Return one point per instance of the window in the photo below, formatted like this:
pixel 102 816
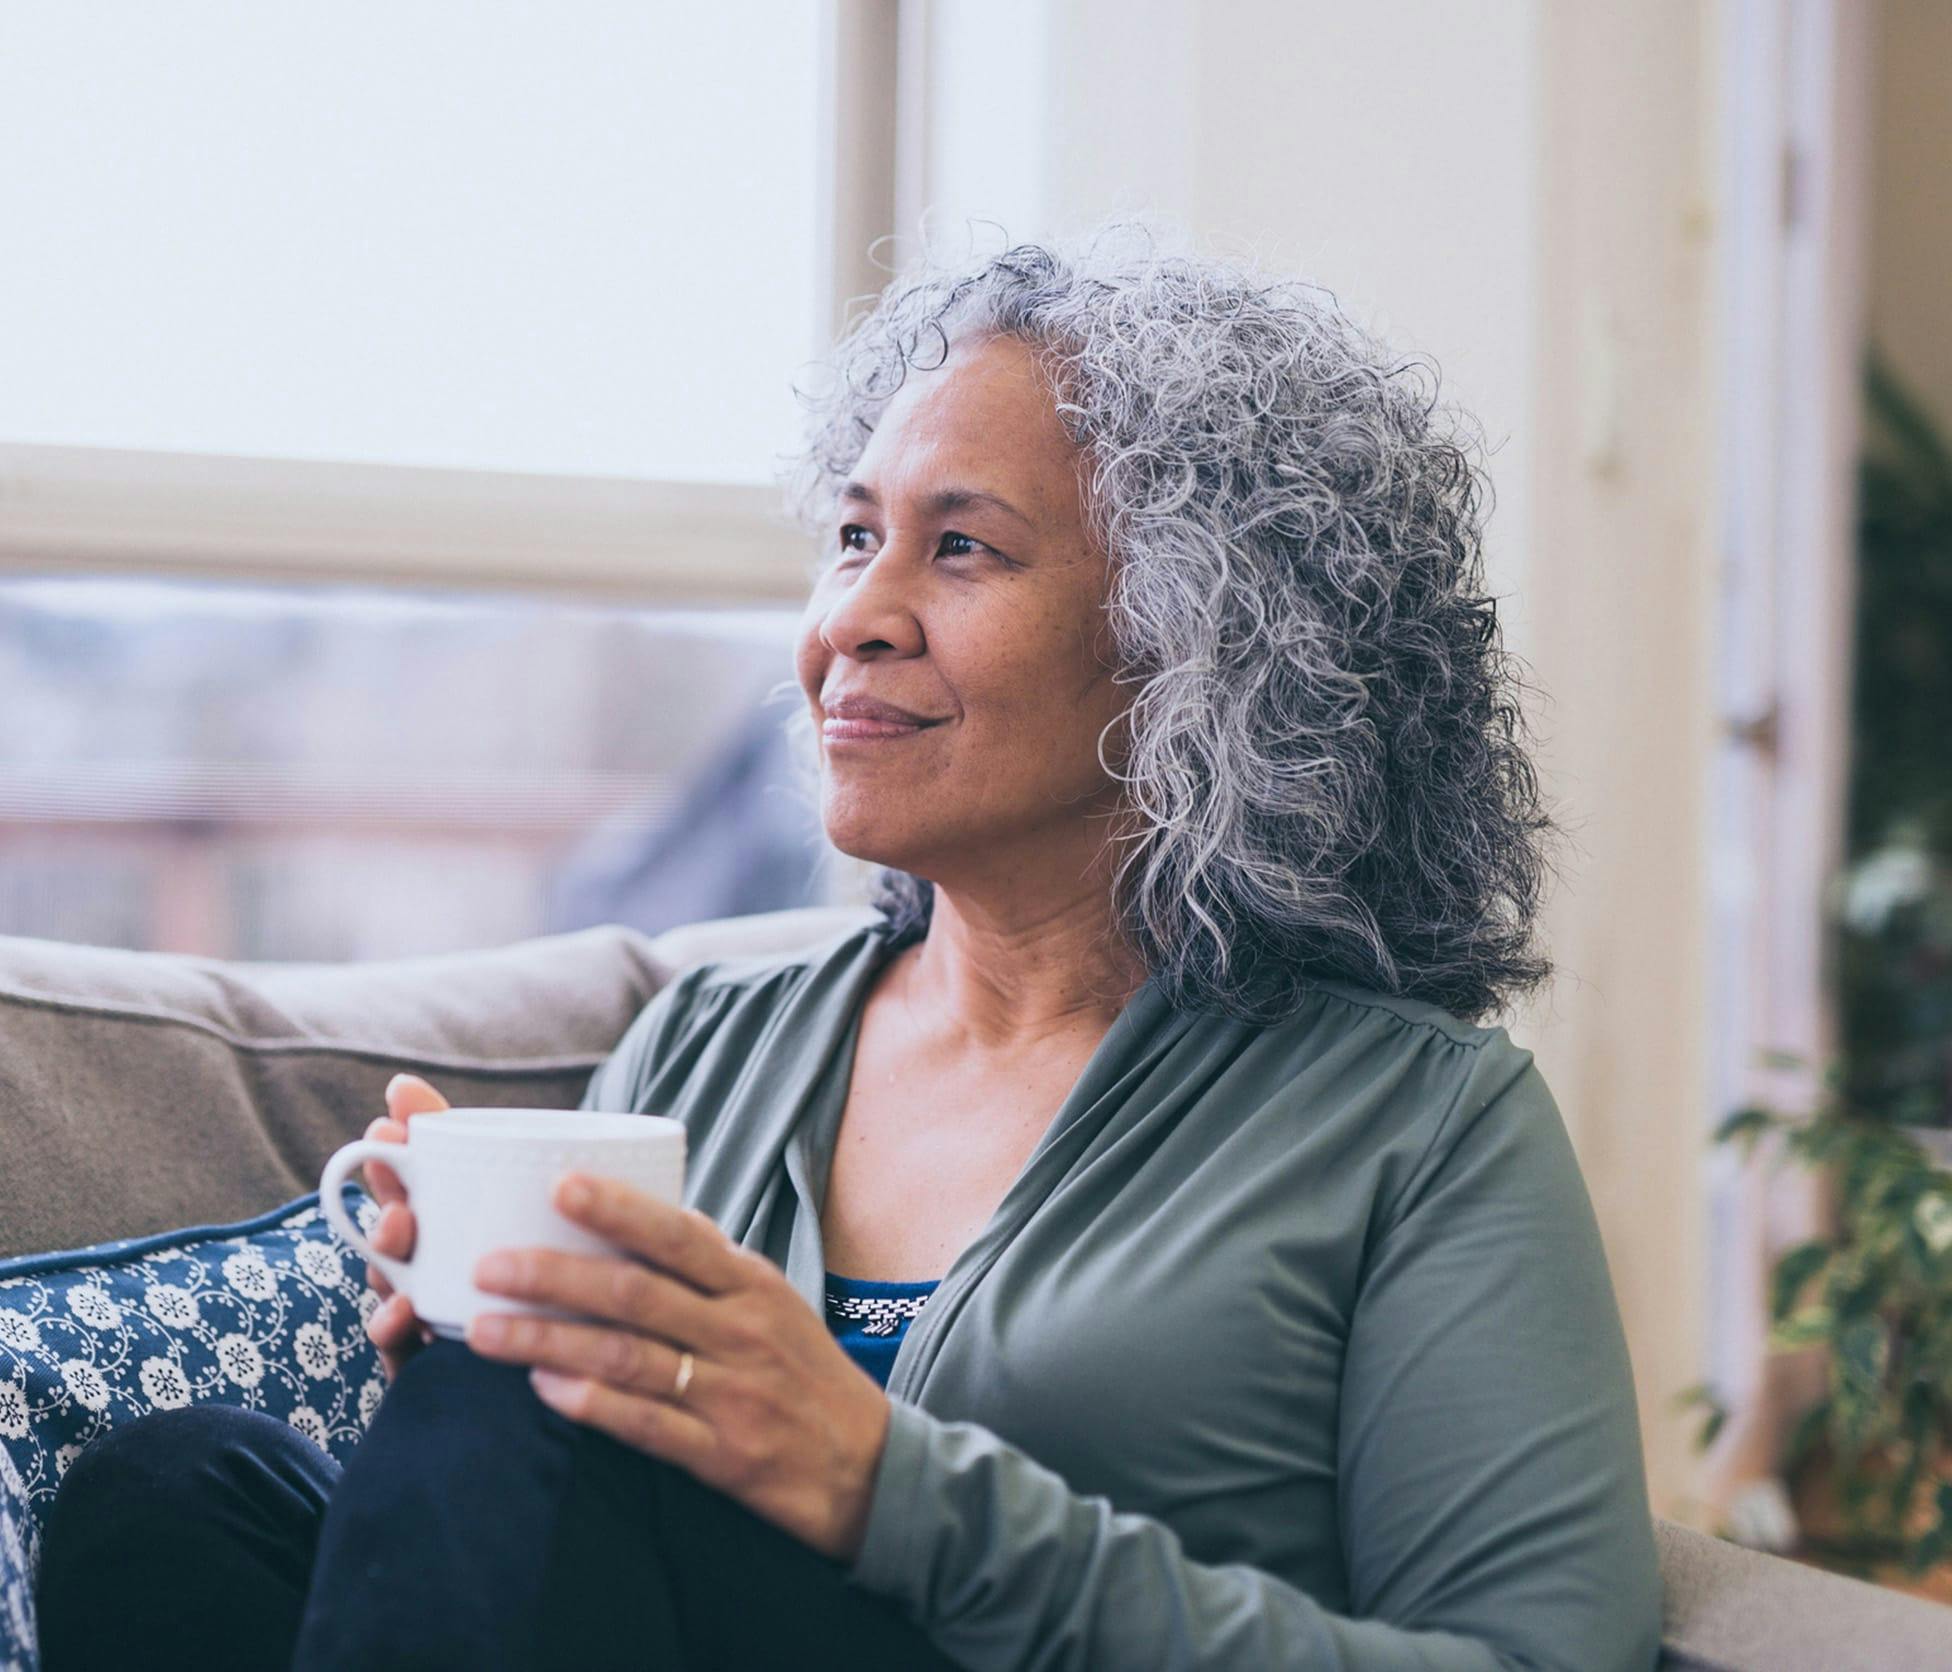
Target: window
pixel 569 240
pixel 391 413
pixel 339 773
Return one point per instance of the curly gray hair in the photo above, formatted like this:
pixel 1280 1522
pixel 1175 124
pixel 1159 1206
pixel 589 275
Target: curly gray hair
pixel 1325 774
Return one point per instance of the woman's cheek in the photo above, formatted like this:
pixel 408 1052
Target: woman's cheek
pixel 810 658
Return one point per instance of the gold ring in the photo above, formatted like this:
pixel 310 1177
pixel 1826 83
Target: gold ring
pixel 686 1364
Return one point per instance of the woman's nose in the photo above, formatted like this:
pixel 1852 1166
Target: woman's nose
pixel 873 612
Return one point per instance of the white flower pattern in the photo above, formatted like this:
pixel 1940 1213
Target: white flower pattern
pixel 247 1273
pixel 14 1422
pixel 86 1384
pixel 173 1306
pixel 309 1423
pixel 90 1303
pixel 321 1263
pixel 240 1360
pixel 315 1350
pixel 268 1314
pixel 164 1382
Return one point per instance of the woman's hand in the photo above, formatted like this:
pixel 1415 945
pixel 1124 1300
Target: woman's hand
pixel 776 1415
pixel 394 1327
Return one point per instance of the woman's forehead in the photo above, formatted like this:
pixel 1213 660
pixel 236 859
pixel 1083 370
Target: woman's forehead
pixel 983 422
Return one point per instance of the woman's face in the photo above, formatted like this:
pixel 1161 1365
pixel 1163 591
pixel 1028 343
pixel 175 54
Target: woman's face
pixel 959 584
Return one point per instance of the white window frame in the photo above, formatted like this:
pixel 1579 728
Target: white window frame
pixel 1795 174
pixel 109 511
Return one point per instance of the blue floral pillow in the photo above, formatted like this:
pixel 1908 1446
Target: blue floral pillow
pixel 268 1314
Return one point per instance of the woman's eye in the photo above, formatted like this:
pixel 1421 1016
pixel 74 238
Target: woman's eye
pixel 853 538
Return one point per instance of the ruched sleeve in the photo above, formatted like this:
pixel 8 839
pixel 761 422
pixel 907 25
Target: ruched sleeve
pixel 1492 1500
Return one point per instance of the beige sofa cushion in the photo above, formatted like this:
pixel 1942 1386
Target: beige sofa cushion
pixel 142 1091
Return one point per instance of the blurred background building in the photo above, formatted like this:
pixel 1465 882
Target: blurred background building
pixel 392 399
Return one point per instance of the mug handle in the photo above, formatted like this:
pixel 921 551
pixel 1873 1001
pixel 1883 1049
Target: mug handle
pixel 331 1181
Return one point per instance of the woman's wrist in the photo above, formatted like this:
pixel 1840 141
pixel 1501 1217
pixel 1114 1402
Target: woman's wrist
pixel 854 1498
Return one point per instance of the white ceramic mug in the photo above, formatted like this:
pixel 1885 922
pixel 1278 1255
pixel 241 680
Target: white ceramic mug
pixel 482 1179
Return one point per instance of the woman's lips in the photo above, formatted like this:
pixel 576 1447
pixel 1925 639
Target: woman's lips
pixel 869 731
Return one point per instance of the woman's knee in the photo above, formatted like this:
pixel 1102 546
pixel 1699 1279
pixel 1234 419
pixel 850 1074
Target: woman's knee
pixel 459 1435
pixel 165 1467
pixel 449 1393
pixel 164 1450
pixel 453 1428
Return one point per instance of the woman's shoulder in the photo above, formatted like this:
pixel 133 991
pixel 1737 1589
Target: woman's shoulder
pixel 1469 1110
pixel 1404 1018
pixel 1405 1085
pixel 737 991
pixel 1345 1042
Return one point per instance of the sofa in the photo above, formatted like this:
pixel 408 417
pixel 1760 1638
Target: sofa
pixel 168 1115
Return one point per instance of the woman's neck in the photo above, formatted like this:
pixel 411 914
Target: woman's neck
pixel 1011 981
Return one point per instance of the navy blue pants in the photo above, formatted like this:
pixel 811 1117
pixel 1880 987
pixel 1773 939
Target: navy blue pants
pixel 474 1528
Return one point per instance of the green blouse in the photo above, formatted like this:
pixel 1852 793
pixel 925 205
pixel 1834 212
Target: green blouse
pixel 1290 1346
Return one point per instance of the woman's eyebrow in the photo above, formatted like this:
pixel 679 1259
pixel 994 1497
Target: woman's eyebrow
pixel 942 501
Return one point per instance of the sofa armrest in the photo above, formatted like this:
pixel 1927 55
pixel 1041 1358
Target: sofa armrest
pixel 1729 1609
pixel 758 934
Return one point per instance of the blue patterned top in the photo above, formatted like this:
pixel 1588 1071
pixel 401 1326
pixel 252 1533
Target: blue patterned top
pixel 869 1318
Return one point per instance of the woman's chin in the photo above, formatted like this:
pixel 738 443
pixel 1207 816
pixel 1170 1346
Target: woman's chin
pixel 869 852
pixel 871 840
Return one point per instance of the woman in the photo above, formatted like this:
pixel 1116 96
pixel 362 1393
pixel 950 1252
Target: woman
pixel 1247 1303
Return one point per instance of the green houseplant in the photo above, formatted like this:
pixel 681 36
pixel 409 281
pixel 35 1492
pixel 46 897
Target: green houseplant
pixel 1877 1295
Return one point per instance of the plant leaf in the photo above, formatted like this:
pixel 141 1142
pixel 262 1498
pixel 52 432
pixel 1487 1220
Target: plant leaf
pixel 1804 1436
pixel 1857 1365
pixel 1745 1125
pixel 1795 1269
pixel 1806 1328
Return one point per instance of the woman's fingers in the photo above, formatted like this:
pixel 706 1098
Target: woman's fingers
pixel 393 1234
pixel 408 1095
pixel 393 1327
pixel 392 1322
pixel 382 1183
pixel 394 1231
pixel 397 1333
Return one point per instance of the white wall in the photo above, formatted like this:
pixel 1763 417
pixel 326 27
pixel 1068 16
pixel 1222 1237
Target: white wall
pixel 1387 151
